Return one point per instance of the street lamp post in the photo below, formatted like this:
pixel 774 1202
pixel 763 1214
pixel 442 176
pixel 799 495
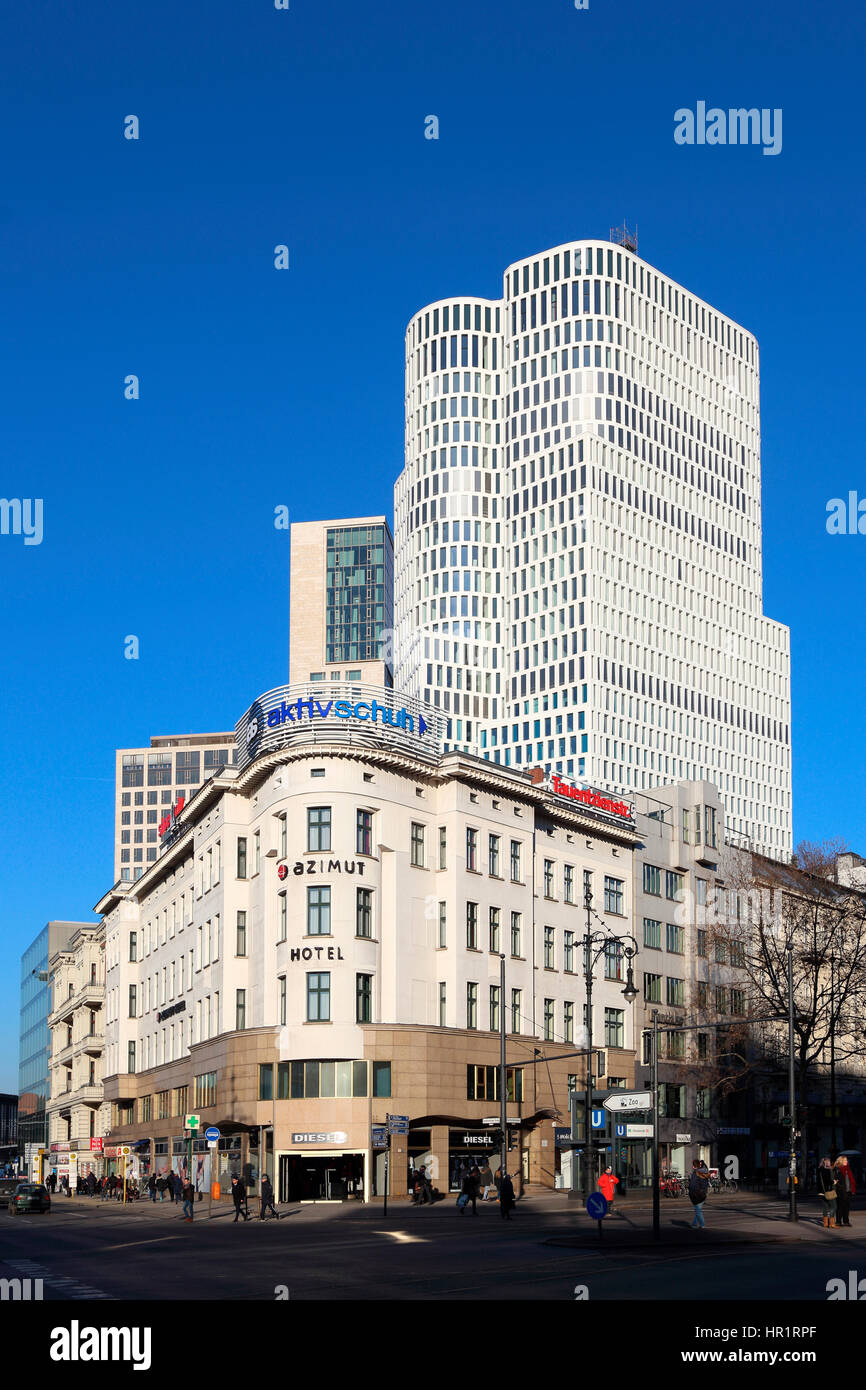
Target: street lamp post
pixel 594 944
pixel 654 1168
pixel 833 1148
pixel 792 1116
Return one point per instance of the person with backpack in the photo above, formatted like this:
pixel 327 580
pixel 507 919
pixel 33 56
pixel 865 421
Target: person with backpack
pixel 699 1181
pixel 267 1199
pixel 506 1197
pixel 188 1201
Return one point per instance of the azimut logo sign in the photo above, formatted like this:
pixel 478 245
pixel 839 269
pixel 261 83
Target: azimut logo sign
pixel 360 713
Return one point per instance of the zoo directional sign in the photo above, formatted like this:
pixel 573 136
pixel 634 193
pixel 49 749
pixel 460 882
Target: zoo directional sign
pixel 628 1101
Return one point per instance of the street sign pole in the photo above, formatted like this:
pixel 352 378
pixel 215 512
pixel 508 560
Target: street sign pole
pixel 655 1154
pixel 387 1164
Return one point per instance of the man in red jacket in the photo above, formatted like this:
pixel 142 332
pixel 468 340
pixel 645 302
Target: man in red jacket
pixel 607 1185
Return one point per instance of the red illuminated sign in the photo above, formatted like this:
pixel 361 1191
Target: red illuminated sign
pixel 171 816
pixel 591 798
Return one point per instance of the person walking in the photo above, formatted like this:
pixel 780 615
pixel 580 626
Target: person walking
pixel 178 1187
pixel 268 1199
pixel 469 1189
pixel 151 1186
pixel 485 1177
pixel 188 1201
pixel 846 1187
pixel 239 1197
pixel 506 1197
pixel 827 1189
pixel 699 1179
pixel 607 1185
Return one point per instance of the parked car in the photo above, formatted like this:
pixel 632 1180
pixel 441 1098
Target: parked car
pixel 30 1196
pixel 7 1190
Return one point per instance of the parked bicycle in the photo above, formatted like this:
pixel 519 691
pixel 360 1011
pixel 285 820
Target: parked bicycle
pixel 670 1184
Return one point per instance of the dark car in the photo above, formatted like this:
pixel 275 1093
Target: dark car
pixel 7 1190
pixel 30 1196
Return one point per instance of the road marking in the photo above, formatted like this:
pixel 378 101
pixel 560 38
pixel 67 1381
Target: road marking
pixel 403 1238
pixel 127 1245
pixel 62 1284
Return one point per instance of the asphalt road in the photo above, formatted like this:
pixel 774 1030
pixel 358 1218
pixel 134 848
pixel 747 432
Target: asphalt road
pixel 87 1251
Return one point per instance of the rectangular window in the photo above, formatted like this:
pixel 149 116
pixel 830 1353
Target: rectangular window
pixel 266 1081
pixel 568 1021
pixel 442 1005
pixel 495 916
pixel 319 911
pixel 614 1027
pixel 686 831
pixel 675 938
pixel 568 952
pixel 364 832
pixel 652 880
pixel 284 837
pixel 364 912
pixel 443 847
pixel 673 1046
pixel 284 917
pixel 515 861
pixel 240 1009
pixel 319 997
pixel 382 1079
pixel 133 945
pixel 613 895
pixel 675 990
pixel 549 1020
pixel 133 1001
pixel 721 994
pixel 516 1009
pixel 493 855
pixel 242 856
pixel 363 998
pixel 738 954
pixel 652 988
pixel 703 994
pixel 674 886
pixel 702 941
pixel 701 888
pixel 515 933
pixel 568 883
pixel 472 926
pixel 548 878
pixel 472 1004
pixel 257 853
pixel 318 827
pixel 612 960
pixel 720 952
pixel 417 856
pixel 494 1008
pixel 710 828
pixel 443 925
pixel 472 850
pixel 549 948
pixel 130 1057
pixel 205 1090
pixel 738 1002
pixel 702 1101
pixel 652 933
pixel 282 984
pixel 482 1083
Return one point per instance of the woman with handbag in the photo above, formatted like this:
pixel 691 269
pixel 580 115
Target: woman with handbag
pixel 827 1189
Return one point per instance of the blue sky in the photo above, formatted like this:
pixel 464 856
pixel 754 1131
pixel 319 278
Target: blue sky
pixel 258 387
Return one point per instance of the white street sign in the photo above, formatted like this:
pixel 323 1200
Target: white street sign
pixel 629 1100
pixel 684 1139
pixel 638 1131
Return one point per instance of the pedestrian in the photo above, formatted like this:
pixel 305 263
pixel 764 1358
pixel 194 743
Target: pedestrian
pixel 607 1185
pixel 426 1185
pixel 170 1188
pixel 151 1186
pixel 827 1189
pixel 268 1198
pixel 188 1201
pixel 239 1197
pixel 485 1177
pixel 846 1187
pixel 469 1190
pixel 91 1183
pixel 506 1197
pixel 178 1187
pixel 698 1184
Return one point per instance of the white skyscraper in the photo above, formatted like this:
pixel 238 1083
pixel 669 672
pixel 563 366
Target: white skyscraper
pixel 578 535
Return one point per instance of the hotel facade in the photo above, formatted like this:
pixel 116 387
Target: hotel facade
pixel 318 945
pixel 578 578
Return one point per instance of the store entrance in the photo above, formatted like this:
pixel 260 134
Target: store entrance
pixel 337 1177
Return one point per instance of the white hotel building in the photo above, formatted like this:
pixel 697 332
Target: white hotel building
pixel 578 536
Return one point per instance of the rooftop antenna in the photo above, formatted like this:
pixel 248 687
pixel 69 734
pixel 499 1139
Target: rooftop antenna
pixel 623 237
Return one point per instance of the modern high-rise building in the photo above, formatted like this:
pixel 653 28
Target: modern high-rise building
pixel 578 536
pixel 149 783
pixel 341 605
